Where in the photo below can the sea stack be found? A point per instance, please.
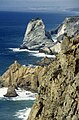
(36, 37)
(11, 92)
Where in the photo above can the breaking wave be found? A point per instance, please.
(23, 114)
(22, 95)
(32, 53)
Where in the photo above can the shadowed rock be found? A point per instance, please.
(58, 93)
(11, 92)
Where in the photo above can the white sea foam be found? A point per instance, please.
(22, 95)
(22, 50)
(32, 53)
(3, 92)
(23, 114)
(42, 55)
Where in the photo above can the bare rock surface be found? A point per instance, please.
(58, 93)
(11, 92)
(36, 36)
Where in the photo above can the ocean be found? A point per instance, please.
(12, 29)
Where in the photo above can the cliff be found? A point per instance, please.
(69, 27)
(56, 81)
(24, 77)
(37, 38)
(58, 94)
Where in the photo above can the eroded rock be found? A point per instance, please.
(36, 36)
(11, 92)
(58, 92)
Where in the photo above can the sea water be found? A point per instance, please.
(12, 29)
(15, 108)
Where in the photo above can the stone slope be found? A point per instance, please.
(58, 94)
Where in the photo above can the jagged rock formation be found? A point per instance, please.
(57, 83)
(69, 27)
(58, 93)
(44, 61)
(23, 77)
(11, 92)
(36, 37)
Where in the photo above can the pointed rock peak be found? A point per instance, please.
(15, 65)
(11, 92)
(33, 24)
(36, 37)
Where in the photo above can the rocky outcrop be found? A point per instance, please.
(57, 84)
(36, 37)
(69, 27)
(24, 77)
(11, 92)
(58, 93)
(45, 61)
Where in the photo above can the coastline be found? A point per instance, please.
(42, 77)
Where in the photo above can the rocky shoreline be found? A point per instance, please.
(38, 38)
(55, 80)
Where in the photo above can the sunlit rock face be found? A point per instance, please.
(36, 36)
(69, 27)
(58, 93)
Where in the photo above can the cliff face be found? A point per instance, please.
(70, 26)
(58, 93)
(23, 77)
(36, 37)
(57, 83)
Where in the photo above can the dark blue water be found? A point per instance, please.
(12, 29)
